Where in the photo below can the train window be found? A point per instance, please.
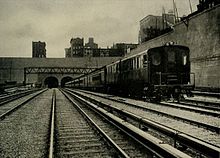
(109, 70)
(184, 58)
(129, 64)
(171, 56)
(117, 68)
(114, 69)
(145, 57)
(145, 60)
(137, 62)
(156, 58)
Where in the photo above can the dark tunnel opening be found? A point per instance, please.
(51, 82)
(64, 80)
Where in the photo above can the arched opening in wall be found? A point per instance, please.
(65, 79)
(51, 82)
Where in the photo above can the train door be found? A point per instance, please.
(156, 70)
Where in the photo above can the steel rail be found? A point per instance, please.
(15, 96)
(116, 147)
(52, 118)
(217, 104)
(158, 147)
(190, 141)
(19, 105)
(211, 94)
(208, 126)
(190, 107)
(215, 108)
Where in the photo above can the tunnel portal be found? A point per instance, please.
(65, 79)
(51, 82)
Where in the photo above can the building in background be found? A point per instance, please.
(77, 46)
(91, 44)
(38, 49)
(90, 49)
(124, 48)
(67, 52)
(152, 26)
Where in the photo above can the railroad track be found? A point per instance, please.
(191, 132)
(9, 107)
(203, 102)
(40, 126)
(24, 129)
(74, 136)
(205, 110)
(210, 94)
(208, 122)
(124, 142)
(11, 97)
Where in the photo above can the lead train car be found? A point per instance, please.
(160, 72)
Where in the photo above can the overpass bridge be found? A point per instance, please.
(54, 75)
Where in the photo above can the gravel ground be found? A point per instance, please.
(195, 131)
(7, 106)
(24, 133)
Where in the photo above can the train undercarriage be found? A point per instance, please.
(157, 93)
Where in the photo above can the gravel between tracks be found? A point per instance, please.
(7, 106)
(24, 133)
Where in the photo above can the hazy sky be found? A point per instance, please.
(57, 21)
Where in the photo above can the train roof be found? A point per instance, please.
(180, 46)
(145, 51)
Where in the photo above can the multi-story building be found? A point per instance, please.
(91, 49)
(152, 26)
(67, 52)
(77, 46)
(91, 43)
(124, 48)
(38, 49)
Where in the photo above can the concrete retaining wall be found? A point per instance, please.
(201, 33)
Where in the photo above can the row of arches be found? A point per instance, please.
(52, 82)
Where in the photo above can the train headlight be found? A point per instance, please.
(169, 43)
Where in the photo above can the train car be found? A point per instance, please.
(157, 73)
(93, 81)
(96, 80)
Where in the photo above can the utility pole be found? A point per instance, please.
(163, 14)
(190, 5)
(175, 11)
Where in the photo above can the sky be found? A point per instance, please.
(57, 21)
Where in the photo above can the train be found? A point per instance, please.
(156, 74)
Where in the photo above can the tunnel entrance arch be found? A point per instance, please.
(65, 79)
(51, 82)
